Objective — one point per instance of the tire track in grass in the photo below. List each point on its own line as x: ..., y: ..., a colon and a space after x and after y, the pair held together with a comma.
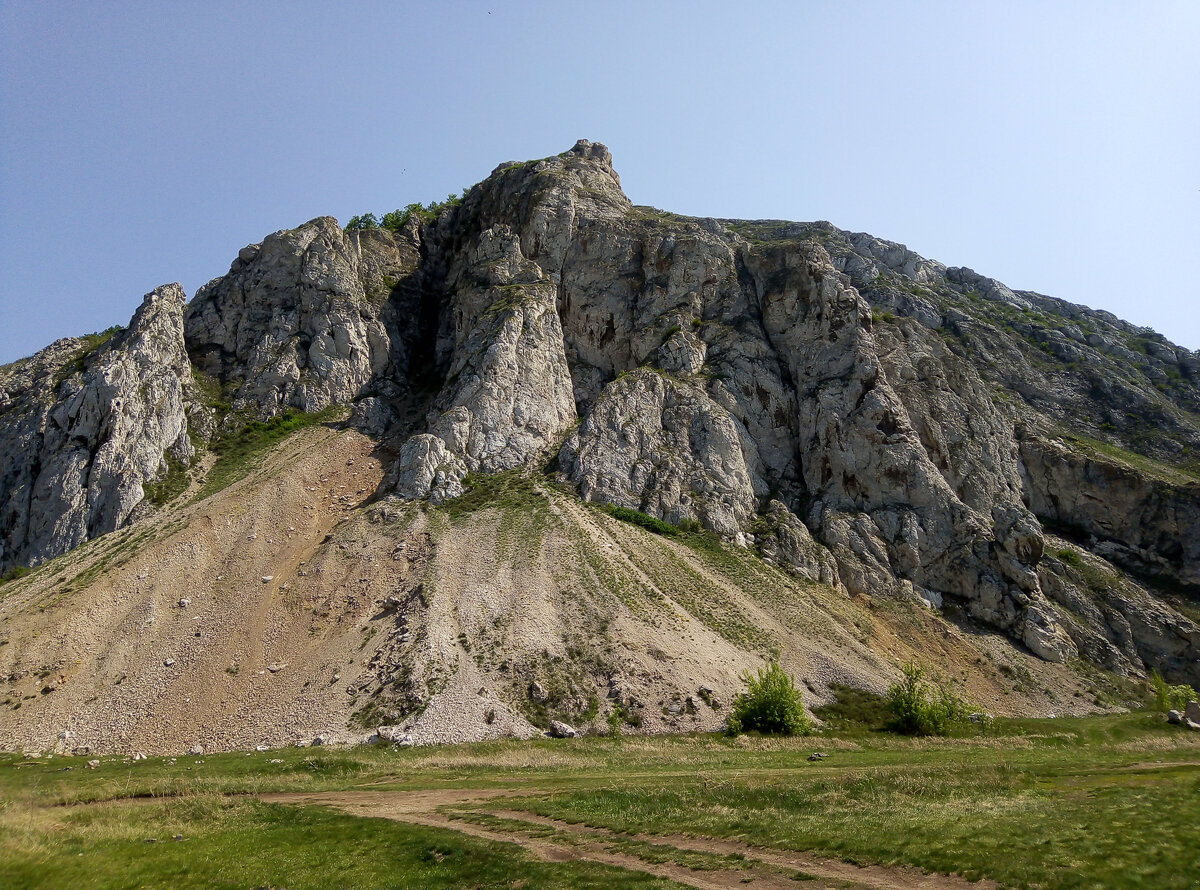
x: 760, y: 867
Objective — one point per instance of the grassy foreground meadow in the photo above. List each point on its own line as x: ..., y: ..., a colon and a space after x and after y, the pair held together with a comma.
x: 1109, y: 801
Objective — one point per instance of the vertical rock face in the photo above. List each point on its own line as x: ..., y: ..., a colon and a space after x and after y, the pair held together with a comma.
x: 508, y: 395
x: 712, y: 372
x: 896, y: 507
x: 1147, y: 524
x: 653, y: 444
x: 870, y: 418
x: 89, y: 430
x: 306, y: 319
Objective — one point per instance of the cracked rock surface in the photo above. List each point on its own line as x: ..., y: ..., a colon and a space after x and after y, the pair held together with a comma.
x: 873, y: 420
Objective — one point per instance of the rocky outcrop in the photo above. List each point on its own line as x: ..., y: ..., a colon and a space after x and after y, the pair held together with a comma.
x: 1116, y: 622
x: 782, y: 537
x: 713, y: 368
x: 1147, y: 525
x: 663, y: 447
x: 508, y: 393
x: 307, y: 319
x: 85, y: 427
x: 866, y: 417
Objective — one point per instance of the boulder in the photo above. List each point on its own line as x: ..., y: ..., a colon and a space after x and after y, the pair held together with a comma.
x: 396, y: 735
x: 560, y: 730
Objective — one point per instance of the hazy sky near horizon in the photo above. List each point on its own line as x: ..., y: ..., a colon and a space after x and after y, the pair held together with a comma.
x: 1052, y: 145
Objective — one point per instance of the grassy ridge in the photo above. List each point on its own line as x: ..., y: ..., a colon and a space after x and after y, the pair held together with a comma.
x: 1172, y: 474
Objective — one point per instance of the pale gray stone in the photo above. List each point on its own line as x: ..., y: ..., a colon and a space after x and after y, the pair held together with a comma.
x: 86, y: 431
x: 560, y: 730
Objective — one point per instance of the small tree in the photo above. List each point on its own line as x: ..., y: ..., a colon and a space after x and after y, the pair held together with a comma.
x: 919, y: 708
x: 771, y: 704
x: 366, y: 221
x: 396, y: 220
x: 1168, y: 697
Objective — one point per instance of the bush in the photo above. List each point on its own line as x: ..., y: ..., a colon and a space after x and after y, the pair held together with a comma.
x: 771, y: 704
x: 14, y: 573
x: 366, y: 221
x: 1168, y: 697
x: 916, y: 707
x: 643, y: 520
x: 616, y: 717
x: 427, y: 213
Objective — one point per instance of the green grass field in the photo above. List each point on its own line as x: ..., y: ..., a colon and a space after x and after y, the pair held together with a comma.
x: 1108, y: 801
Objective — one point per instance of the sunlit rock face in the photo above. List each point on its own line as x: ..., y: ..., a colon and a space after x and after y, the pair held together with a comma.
x: 873, y: 420
x: 85, y: 427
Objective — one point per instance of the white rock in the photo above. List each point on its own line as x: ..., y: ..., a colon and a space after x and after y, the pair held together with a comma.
x: 560, y: 730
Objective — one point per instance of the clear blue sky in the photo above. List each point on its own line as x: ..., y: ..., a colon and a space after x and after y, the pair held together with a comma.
x: 1055, y: 146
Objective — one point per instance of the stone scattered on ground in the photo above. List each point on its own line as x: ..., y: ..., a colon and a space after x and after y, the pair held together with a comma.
x: 560, y: 730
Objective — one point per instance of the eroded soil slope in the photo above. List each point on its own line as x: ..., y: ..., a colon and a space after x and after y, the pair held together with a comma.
x: 293, y: 604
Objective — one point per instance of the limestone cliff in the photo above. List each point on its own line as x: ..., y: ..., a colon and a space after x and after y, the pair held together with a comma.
x: 874, y: 420
x: 84, y: 427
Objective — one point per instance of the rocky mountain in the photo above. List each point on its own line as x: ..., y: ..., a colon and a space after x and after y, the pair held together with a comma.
x: 832, y: 444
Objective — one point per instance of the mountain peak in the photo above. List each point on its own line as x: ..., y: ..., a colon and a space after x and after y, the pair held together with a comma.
x: 593, y: 151
x: 827, y: 410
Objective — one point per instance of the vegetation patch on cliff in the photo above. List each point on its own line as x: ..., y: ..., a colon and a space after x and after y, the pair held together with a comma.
x: 89, y: 344
x: 239, y: 452
x: 1171, y: 474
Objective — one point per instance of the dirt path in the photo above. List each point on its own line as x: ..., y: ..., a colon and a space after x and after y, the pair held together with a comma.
x: 663, y: 856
